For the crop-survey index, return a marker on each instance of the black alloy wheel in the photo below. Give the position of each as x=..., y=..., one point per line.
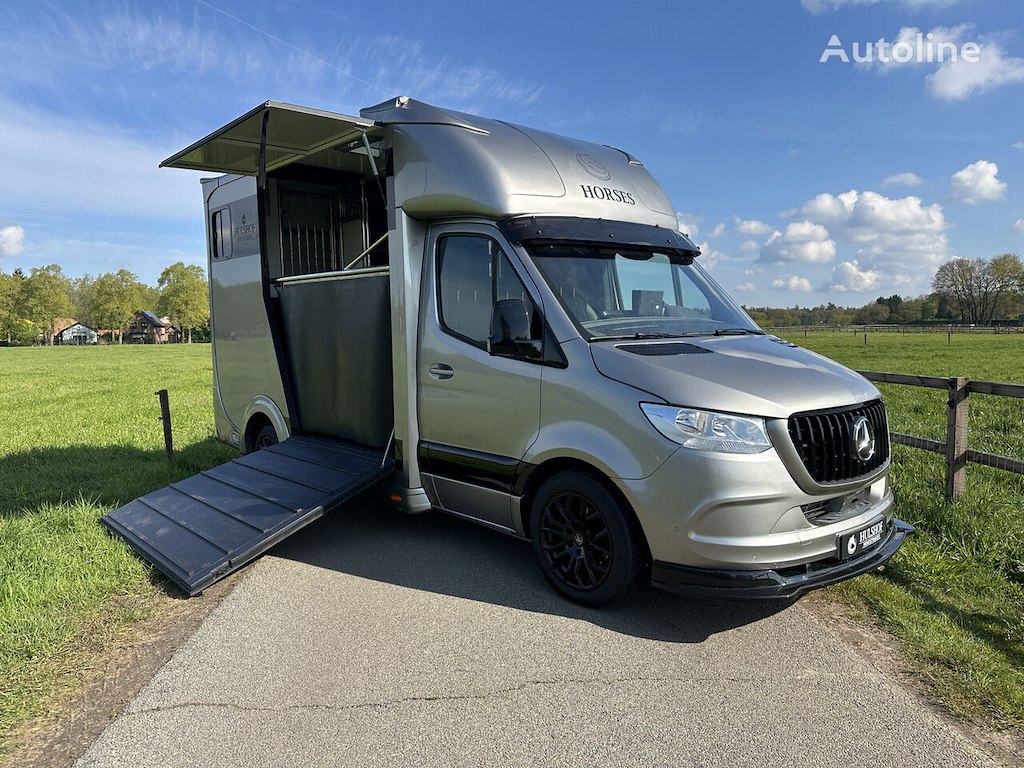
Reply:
x=575, y=540
x=583, y=541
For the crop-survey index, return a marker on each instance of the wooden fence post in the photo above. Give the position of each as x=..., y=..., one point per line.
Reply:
x=165, y=417
x=956, y=438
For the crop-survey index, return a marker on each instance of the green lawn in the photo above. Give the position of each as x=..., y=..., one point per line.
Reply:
x=80, y=435
x=954, y=595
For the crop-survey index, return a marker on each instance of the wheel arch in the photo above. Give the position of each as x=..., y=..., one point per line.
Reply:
x=545, y=471
x=262, y=411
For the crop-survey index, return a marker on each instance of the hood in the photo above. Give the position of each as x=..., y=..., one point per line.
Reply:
x=753, y=375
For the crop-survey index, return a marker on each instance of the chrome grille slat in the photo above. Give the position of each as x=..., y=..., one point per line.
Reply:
x=824, y=439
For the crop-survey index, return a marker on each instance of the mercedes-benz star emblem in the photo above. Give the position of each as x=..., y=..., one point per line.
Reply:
x=593, y=166
x=863, y=439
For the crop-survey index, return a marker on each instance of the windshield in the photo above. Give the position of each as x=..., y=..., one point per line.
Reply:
x=637, y=293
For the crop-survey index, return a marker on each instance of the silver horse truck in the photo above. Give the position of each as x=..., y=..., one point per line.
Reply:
x=506, y=325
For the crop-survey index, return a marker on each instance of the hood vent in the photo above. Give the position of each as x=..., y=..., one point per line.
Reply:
x=664, y=350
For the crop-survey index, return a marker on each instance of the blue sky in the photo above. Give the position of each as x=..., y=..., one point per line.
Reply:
x=804, y=182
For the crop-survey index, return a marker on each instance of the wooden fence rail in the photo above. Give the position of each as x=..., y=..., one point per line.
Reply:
x=855, y=328
x=955, y=449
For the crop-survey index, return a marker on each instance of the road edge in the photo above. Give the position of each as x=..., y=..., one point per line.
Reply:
x=857, y=629
x=75, y=719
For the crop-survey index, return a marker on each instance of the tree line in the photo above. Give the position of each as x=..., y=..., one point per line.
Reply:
x=964, y=291
x=33, y=305
x=978, y=291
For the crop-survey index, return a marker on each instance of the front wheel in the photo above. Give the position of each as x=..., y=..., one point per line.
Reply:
x=583, y=541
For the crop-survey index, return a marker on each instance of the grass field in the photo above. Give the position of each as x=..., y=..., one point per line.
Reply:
x=79, y=435
x=954, y=595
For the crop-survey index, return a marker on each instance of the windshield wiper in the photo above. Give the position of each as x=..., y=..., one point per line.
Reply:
x=737, y=332
x=690, y=334
x=637, y=336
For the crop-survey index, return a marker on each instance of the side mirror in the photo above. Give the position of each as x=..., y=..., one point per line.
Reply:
x=510, y=331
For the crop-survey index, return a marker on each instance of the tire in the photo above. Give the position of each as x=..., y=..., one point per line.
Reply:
x=266, y=437
x=583, y=541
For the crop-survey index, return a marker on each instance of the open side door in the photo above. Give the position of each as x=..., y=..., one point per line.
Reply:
x=293, y=133
x=199, y=530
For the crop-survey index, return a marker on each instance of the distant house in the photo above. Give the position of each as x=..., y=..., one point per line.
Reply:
x=147, y=328
x=76, y=334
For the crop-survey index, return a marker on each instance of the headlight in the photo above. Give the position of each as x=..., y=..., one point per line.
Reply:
x=707, y=430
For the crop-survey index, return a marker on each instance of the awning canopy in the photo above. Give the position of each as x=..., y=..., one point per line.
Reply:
x=293, y=133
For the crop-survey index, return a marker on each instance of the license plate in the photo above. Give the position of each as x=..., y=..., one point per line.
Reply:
x=852, y=544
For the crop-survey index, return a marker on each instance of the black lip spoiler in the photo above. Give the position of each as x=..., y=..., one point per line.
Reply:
x=771, y=584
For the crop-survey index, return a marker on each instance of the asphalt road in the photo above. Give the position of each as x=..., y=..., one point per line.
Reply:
x=372, y=638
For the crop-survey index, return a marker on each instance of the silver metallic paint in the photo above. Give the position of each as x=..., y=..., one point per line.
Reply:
x=696, y=508
x=246, y=376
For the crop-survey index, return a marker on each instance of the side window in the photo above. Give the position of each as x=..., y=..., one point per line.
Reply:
x=474, y=273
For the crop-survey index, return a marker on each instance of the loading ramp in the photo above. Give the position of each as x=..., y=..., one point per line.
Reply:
x=207, y=526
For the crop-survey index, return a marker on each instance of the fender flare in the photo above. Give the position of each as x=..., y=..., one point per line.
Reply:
x=261, y=404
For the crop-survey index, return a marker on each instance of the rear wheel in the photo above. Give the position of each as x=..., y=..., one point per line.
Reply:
x=266, y=437
x=583, y=541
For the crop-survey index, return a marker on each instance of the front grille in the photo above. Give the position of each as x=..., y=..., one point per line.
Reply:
x=825, y=443
x=822, y=513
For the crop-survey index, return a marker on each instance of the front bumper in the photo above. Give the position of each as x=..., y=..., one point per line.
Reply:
x=774, y=584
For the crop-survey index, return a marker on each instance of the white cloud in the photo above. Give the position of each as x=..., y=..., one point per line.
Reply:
x=793, y=283
x=977, y=183
x=824, y=6
x=940, y=39
x=956, y=75
x=95, y=253
x=906, y=179
x=864, y=214
x=956, y=80
x=802, y=241
x=70, y=167
x=12, y=240
x=1018, y=226
x=1018, y=145
x=718, y=230
x=848, y=276
x=709, y=257
x=689, y=223
x=160, y=62
x=751, y=226
x=901, y=239
x=818, y=7
x=749, y=245
x=745, y=288
x=408, y=66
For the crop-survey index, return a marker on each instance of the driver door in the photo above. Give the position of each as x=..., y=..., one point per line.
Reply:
x=478, y=413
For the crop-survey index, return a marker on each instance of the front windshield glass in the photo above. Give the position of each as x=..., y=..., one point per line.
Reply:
x=636, y=293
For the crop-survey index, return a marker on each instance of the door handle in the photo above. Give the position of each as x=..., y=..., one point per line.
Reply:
x=441, y=371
